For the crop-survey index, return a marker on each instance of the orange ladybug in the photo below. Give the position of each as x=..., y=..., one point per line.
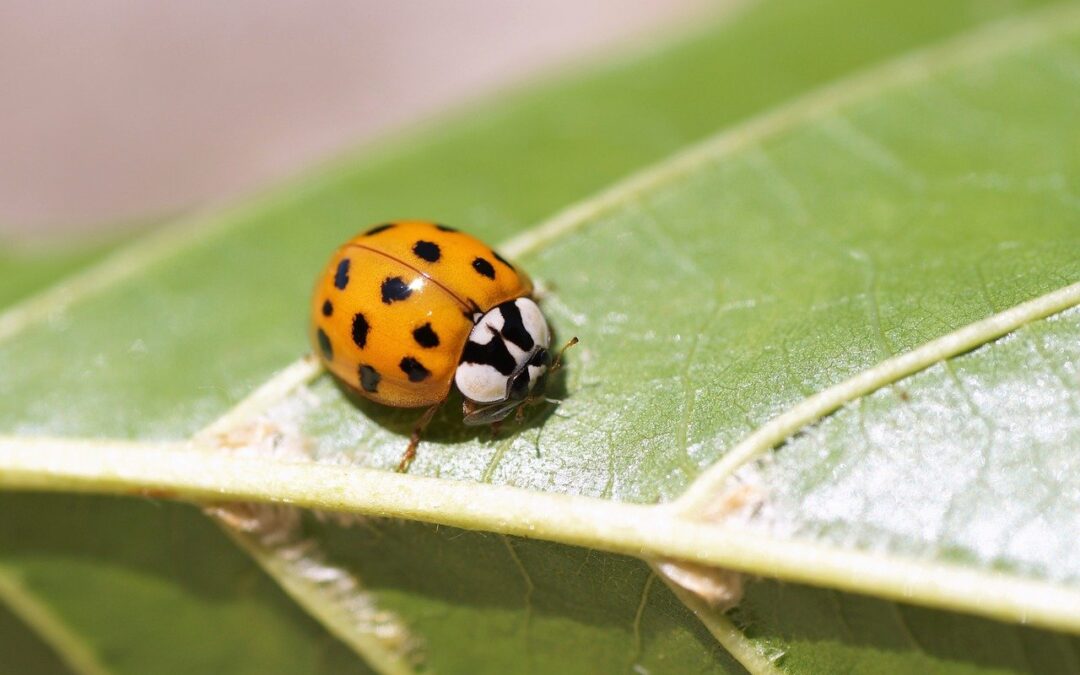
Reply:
x=408, y=309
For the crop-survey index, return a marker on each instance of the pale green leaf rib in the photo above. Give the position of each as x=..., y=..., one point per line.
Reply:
x=35, y=654
x=65, y=643
x=25, y=271
x=332, y=597
x=115, y=267
x=192, y=594
x=981, y=44
x=745, y=651
x=869, y=475
x=704, y=490
x=205, y=474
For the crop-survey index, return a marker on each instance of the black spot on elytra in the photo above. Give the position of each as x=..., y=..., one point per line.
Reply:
x=327, y=308
x=378, y=228
x=502, y=259
x=369, y=379
x=494, y=354
x=359, y=330
x=426, y=337
x=324, y=345
x=414, y=369
x=484, y=267
x=444, y=228
x=427, y=250
x=395, y=289
x=341, y=277
x=514, y=326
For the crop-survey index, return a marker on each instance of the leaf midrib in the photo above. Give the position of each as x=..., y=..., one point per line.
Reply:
x=631, y=529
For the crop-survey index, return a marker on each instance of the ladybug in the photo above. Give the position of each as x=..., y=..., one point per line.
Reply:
x=407, y=310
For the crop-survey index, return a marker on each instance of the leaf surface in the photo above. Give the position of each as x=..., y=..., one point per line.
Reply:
x=26, y=272
x=806, y=244
x=145, y=587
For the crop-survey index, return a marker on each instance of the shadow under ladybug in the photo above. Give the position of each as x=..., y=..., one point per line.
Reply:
x=444, y=422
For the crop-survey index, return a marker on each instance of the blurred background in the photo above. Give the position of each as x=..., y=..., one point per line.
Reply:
x=117, y=114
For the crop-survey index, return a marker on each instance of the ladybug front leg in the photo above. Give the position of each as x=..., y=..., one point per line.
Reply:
x=414, y=440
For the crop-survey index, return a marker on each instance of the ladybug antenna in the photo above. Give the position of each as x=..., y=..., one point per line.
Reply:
x=558, y=359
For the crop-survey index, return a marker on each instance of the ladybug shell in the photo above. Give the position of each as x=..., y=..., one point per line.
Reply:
x=394, y=307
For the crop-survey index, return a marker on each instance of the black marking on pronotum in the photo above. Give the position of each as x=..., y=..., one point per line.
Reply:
x=426, y=337
x=494, y=354
x=502, y=259
x=541, y=357
x=427, y=250
x=414, y=369
x=341, y=277
x=327, y=308
x=514, y=326
x=324, y=345
x=484, y=267
x=378, y=228
x=360, y=330
x=394, y=289
x=444, y=228
x=519, y=386
x=369, y=379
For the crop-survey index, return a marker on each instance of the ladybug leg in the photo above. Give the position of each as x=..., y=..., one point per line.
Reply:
x=535, y=399
x=496, y=426
x=414, y=440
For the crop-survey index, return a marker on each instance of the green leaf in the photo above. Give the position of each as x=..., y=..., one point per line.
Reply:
x=211, y=309
x=29, y=271
x=542, y=607
x=810, y=630
x=826, y=228
x=126, y=586
x=1004, y=419
x=25, y=651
